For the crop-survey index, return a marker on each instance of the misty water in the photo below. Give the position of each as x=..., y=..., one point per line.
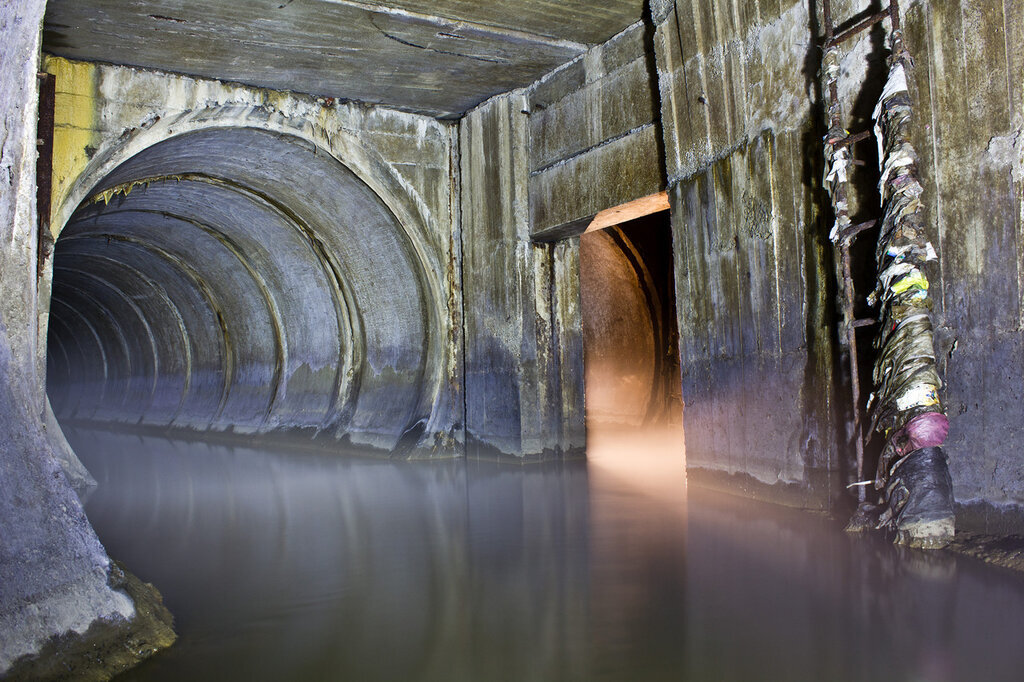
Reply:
x=303, y=566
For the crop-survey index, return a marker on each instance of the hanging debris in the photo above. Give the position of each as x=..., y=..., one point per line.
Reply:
x=913, y=473
x=906, y=408
x=837, y=172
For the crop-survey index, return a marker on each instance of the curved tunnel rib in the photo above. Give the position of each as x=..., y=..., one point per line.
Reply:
x=61, y=316
x=160, y=345
x=259, y=284
x=115, y=354
x=345, y=311
x=142, y=254
x=314, y=286
x=165, y=301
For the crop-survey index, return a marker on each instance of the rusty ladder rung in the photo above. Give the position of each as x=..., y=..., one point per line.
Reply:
x=859, y=27
x=832, y=40
x=853, y=231
x=853, y=139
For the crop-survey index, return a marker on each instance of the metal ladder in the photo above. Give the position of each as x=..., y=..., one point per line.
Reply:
x=837, y=152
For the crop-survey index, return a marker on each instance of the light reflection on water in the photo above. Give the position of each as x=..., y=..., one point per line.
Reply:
x=308, y=567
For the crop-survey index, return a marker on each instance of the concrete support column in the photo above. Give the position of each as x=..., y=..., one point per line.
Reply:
x=54, y=573
x=750, y=250
x=524, y=387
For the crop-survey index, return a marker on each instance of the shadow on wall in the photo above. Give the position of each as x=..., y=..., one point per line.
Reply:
x=238, y=280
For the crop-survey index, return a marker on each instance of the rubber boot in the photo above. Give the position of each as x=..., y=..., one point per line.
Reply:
x=919, y=500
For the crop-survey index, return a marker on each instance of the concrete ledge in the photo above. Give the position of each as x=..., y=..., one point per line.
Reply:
x=984, y=517
x=109, y=646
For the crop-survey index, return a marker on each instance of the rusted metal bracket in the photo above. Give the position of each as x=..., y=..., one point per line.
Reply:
x=854, y=231
x=853, y=139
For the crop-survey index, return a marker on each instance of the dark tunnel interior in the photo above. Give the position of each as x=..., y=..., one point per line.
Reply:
x=239, y=279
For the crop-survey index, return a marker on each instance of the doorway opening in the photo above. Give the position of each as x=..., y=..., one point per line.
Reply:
x=630, y=333
x=634, y=402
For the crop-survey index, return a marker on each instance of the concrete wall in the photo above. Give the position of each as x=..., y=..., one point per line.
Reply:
x=536, y=165
x=970, y=105
x=754, y=273
x=524, y=390
x=751, y=250
x=595, y=137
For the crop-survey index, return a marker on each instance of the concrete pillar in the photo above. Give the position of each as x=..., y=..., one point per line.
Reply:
x=524, y=351
x=750, y=249
x=55, y=574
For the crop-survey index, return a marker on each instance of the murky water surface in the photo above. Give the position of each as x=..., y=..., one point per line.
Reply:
x=283, y=566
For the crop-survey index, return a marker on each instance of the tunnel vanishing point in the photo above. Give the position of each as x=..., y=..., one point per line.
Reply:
x=358, y=224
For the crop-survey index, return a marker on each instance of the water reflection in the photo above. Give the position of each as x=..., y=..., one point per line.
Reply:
x=308, y=567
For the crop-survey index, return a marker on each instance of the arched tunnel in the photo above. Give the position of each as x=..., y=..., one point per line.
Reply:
x=245, y=280
x=627, y=295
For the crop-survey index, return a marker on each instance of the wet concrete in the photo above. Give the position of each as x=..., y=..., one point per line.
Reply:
x=295, y=566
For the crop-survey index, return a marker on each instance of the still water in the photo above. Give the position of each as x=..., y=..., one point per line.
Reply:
x=284, y=566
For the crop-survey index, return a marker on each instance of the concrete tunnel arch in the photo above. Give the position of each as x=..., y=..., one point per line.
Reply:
x=625, y=329
x=245, y=279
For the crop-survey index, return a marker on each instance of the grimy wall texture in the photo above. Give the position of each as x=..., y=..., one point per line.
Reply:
x=970, y=104
x=753, y=268
x=751, y=249
x=452, y=288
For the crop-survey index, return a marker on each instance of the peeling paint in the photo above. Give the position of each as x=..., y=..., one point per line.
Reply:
x=1007, y=152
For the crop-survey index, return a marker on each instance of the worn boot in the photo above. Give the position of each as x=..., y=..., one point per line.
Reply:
x=919, y=500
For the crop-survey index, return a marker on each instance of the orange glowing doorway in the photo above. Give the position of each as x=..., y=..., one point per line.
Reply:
x=634, y=401
x=630, y=332
x=632, y=383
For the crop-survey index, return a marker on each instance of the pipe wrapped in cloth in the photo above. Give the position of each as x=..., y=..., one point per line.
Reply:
x=906, y=407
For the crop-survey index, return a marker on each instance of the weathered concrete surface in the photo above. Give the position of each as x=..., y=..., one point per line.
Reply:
x=53, y=571
x=434, y=58
x=730, y=70
x=78, y=476
x=753, y=342
x=538, y=164
x=970, y=104
x=199, y=286
x=544, y=17
x=750, y=250
x=595, y=133
x=524, y=387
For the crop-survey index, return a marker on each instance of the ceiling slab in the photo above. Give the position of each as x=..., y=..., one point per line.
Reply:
x=581, y=21
x=438, y=58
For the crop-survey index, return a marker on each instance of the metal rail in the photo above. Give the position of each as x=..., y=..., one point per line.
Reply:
x=839, y=198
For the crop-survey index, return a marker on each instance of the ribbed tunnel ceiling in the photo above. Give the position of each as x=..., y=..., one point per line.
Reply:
x=438, y=57
x=236, y=278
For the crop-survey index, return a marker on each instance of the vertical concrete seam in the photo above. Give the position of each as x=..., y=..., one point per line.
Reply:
x=455, y=201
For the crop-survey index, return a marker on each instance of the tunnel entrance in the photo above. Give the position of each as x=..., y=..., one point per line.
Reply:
x=632, y=383
x=631, y=340
x=241, y=281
